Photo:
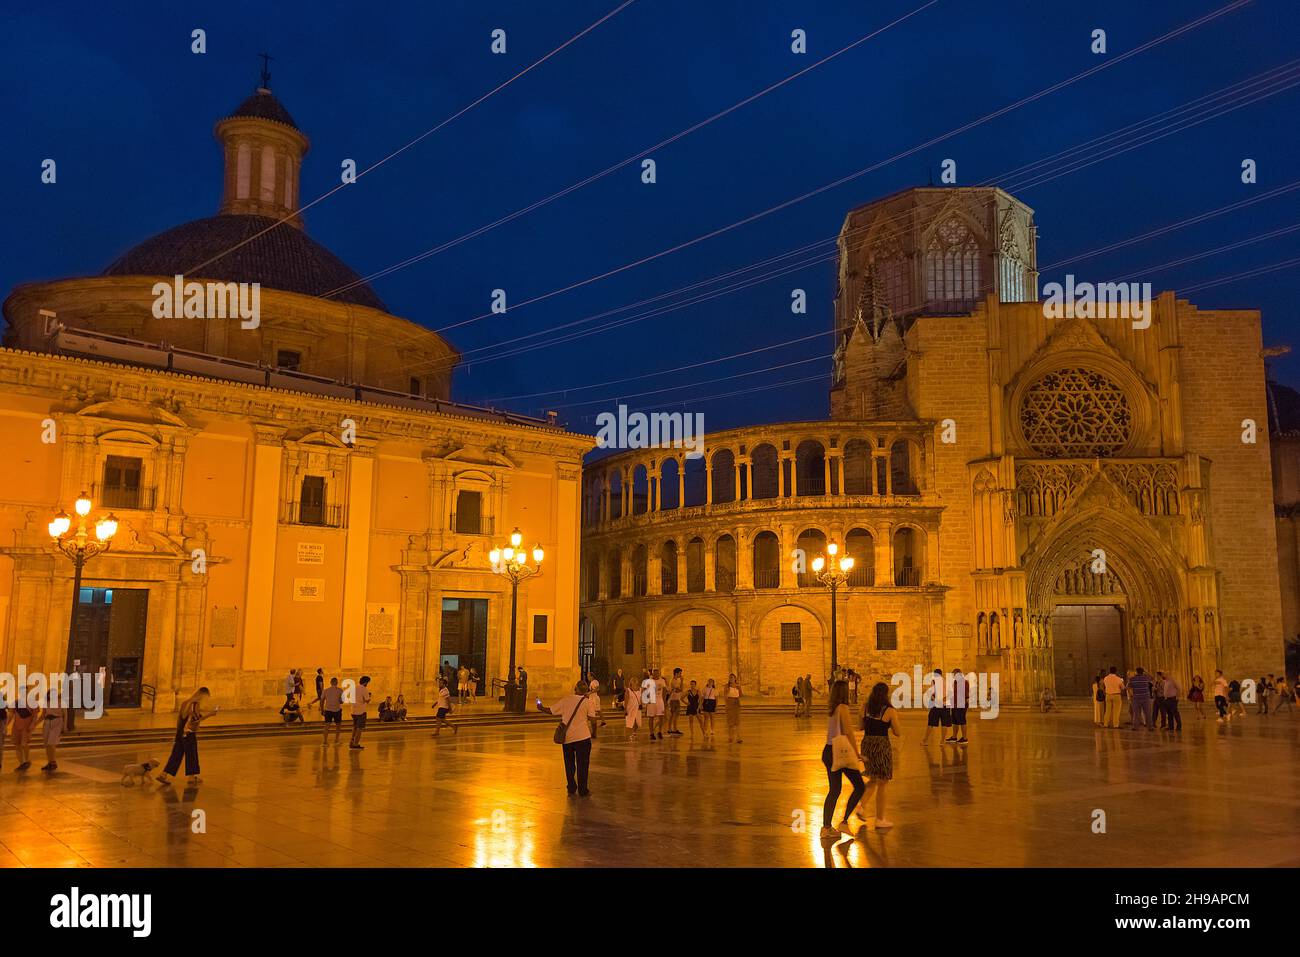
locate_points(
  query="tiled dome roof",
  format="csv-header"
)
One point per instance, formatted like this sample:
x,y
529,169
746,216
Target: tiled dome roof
x,y
1283,409
264,105
285,258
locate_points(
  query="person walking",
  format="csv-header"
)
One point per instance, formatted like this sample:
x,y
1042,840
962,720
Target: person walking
x,y
619,684
842,758
576,712
359,706
708,706
1173,720
796,692
676,692
879,721
1098,699
52,720
733,710
937,713
186,745
1220,691
442,708
331,707
853,687
1284,695
1114,687
462,686
1263,691
21,730
1197,696
320,688
958,707
631,712
1158,698
808,692
1235,707
299,686
693,709
290,685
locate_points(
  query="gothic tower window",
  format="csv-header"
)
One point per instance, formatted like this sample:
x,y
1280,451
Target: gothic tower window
x,y
1075,413
952,266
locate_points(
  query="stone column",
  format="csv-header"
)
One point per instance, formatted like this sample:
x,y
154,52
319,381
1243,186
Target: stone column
x,y
884,543
264,525
681,482
708,481
356,561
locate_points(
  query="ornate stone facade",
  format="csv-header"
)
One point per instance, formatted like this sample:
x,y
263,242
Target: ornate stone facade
x,y
1052,464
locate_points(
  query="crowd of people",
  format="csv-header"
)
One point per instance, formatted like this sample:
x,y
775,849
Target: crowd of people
x,y
1152,700
44,722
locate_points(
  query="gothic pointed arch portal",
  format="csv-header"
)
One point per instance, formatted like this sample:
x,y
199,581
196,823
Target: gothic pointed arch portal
x,y
1106,555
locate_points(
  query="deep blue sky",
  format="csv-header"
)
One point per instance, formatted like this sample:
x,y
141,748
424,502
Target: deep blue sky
x,y
116,96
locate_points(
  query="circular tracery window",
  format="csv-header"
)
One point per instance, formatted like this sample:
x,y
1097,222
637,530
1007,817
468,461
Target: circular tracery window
x,y
1075,413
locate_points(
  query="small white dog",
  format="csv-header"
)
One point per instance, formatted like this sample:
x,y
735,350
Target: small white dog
x,y
133,773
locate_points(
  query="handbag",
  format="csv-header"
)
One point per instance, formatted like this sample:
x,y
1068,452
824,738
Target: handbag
x,y
842,754
562,729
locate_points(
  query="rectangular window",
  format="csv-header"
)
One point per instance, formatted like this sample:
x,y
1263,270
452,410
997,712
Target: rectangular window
x,y
122,476
311,501
288,360
886,636
469,512
791,636
540,623
415,386
697,639
629,642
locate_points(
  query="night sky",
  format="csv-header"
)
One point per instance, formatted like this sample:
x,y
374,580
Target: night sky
x,y
118,99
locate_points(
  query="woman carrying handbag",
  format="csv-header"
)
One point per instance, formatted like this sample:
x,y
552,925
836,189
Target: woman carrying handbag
x,y
576,713
841,758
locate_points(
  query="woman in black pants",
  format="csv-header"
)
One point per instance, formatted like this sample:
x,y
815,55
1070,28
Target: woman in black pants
x,y
840,724
187,738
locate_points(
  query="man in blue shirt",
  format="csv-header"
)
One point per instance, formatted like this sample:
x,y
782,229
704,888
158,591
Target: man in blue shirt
x,y
1139,689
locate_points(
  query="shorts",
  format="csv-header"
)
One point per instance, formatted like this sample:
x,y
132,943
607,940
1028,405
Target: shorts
x,y
443,712
959,717
333,717
358,721
675,706
655,709
938,716
53,729
710,705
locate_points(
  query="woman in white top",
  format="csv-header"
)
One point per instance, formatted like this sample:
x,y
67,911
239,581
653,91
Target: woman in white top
x,y
576,712
840,722
733,709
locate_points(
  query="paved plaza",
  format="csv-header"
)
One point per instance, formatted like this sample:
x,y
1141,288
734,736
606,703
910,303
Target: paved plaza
x,y
1022,793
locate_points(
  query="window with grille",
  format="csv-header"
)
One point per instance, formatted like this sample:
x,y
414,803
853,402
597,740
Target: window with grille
x,y
122,476
886,636
288,359
791,636
540,623
311,503
629,642
697,639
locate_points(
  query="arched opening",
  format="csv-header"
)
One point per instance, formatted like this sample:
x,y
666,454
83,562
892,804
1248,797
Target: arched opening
x,y
640,490
767,560
764,472
907,557
724,564
857,467
695,565
669,485
810,461
615,494
861,547
904,467
811,543
639,576
696,482
668,568
724,476
614,573
591,577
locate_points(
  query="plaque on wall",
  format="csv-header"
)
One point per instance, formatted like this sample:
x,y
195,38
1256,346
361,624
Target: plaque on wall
x,y
311,553
381,625
224,627
309,589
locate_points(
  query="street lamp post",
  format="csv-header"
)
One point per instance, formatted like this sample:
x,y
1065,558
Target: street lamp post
x,y
511,561
80,546
833,573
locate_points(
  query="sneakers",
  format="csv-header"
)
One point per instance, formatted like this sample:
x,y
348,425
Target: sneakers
x,y
163,778
49,767
195,779
845,827
829,833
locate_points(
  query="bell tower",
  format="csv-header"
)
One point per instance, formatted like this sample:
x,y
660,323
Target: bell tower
x,y
263,150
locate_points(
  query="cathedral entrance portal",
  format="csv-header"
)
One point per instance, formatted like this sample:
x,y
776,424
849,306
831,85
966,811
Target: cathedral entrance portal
x,y
1086,639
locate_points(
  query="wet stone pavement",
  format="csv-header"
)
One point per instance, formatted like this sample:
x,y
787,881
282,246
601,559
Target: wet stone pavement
x,y
1022,793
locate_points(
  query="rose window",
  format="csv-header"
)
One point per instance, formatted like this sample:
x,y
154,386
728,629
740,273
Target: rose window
x,y
1075,413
